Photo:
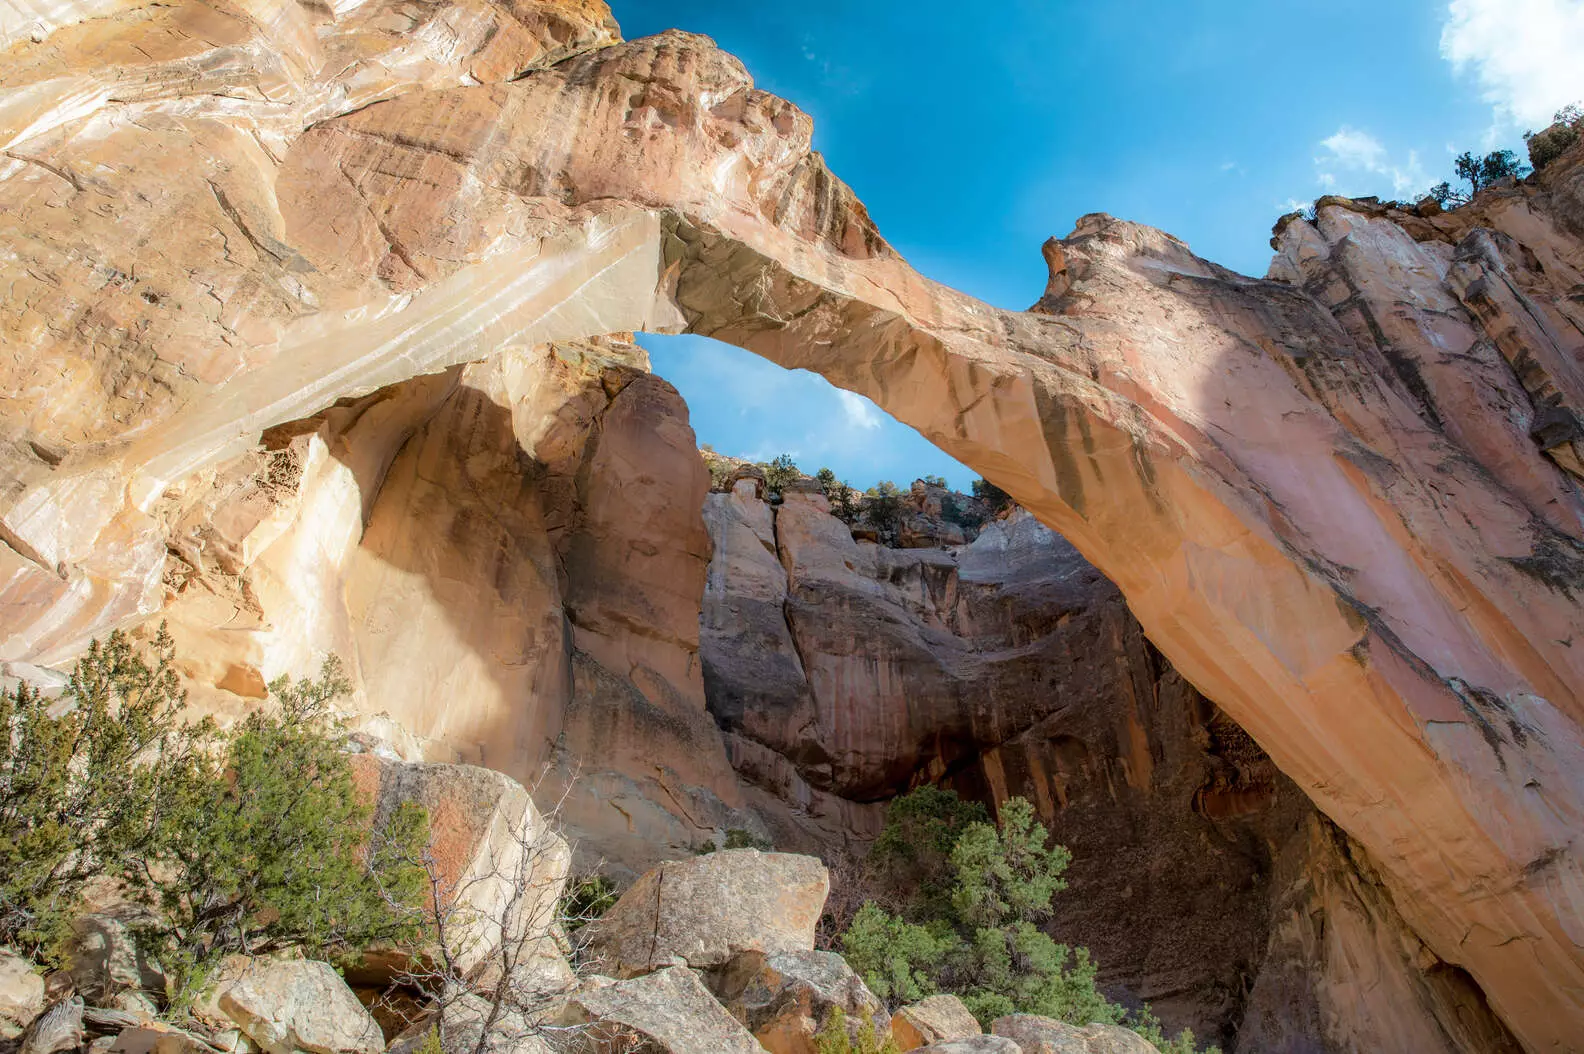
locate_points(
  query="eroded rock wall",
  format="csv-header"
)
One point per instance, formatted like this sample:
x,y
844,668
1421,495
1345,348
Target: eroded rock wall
x,y
844,672
508,557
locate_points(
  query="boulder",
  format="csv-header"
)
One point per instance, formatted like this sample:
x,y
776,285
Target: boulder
x,y
158,1039
708,909
933,1020
300,1005
21,990
1043,1035
206,1004
465,1016
503,863
972,1045
669,1011
784,998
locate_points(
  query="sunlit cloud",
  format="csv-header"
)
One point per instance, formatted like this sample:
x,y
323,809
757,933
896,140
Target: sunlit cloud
x,y
1359,155
1527,55
860,412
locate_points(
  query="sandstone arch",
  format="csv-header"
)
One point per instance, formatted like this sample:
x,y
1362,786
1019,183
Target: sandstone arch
x,y
1373,570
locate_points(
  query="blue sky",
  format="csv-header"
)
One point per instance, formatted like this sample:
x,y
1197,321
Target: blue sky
x,y
974,132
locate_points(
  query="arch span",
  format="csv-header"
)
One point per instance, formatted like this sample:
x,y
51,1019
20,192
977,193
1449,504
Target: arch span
x,y
1303,523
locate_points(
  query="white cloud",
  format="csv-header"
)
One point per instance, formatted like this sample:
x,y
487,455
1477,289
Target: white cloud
x,y
1359,153
860,412
1528,55
1352,148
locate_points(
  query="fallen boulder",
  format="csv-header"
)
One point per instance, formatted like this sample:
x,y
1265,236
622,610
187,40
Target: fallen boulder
x,y
669,1011
502,862
466,1018
300,1005
1044,1035
785,998
708,909
158,1039
934,1020
21,991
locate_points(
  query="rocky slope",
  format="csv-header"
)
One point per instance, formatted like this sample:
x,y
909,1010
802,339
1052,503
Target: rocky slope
x,y
1339,501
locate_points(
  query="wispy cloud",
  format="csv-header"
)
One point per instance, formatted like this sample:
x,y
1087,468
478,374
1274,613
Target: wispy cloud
x,y
1350,154
1528,55
860,412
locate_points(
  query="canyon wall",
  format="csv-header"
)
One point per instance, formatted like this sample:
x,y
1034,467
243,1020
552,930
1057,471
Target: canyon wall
x,y
1339,500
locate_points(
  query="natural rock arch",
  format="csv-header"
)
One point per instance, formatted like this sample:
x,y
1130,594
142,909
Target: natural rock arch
x,y
1321,546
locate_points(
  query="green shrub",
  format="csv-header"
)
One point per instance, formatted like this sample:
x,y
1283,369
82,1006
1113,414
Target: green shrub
x,y
586,899
843,499
1146,1024
1547,145
779,473
934,481
994,498
882,507
911,861
736,838
720,471
1478,173
972,925
264,846
252,841
834,1037
78,784
897,959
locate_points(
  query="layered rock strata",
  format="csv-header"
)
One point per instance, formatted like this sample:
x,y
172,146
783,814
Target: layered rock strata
x,y
1360,541
841,672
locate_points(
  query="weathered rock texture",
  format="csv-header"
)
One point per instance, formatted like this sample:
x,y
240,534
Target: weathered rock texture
x,y
1042,1035
841,671
1336,510
680,911
669,1011
938,1019
303,1005
498,863
786,999
21,991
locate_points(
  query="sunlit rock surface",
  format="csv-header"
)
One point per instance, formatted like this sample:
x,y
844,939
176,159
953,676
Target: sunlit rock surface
x,y
1324,498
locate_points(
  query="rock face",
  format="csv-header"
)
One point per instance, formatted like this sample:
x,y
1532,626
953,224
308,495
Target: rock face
x,y
106,964
1341,966
675,912
841,670
1341,500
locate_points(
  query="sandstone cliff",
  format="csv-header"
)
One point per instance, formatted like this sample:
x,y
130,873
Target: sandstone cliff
x,y
1339,500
